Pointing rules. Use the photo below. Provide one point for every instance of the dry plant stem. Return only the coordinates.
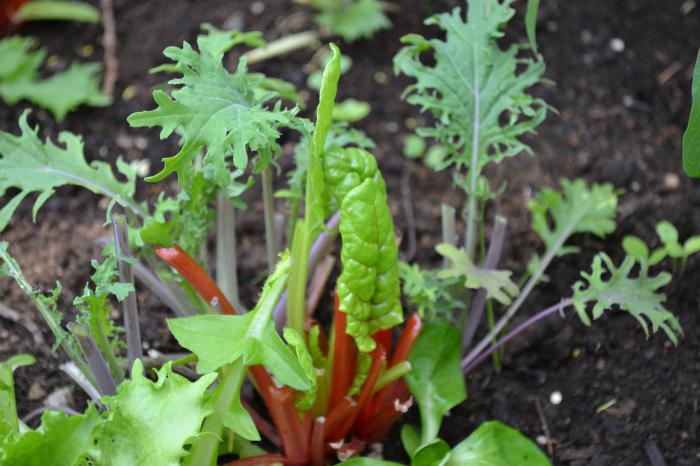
(545, 427)
(282, 46)
(407, 203)
(515, 306)
(226, 257)
(319, 249)
(95, 359)
(27, 323)
(77, 376)
(109, 43)
(466, 368)
(449, 227)
(131, 313)
(151, 281)
(269, 212)
(493, 255)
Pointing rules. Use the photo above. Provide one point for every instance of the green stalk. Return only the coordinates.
(206, 447)
(226, 260)
(296, 293)
(449, 228)
(269, 212)
(394, 373)
(282, 46)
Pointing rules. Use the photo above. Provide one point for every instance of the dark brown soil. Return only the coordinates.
(621, 116)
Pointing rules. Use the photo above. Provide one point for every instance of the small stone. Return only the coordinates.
(61, 397)
(627, 101)
(128, 93)
(103, 151)
(542, 440)
(141, 142)
(87, 50)
(672, 181)
(556, 398)
(380, 77)
(36, 392)
(617, 45)
(257, 8)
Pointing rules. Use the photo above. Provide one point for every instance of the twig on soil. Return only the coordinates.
(407, 204)
(653, 453)
(109, 43)
(283, 46)
(14, 316)
(76, 375)
(545, 427)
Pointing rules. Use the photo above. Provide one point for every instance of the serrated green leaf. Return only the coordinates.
(60, 439)
(475, 90)
(215, 111)
(352, 20)
(151, 422)
(296, 341)
(691, 136)
(607, 286)
(495, 444)
(436, 380)
(32, 166)
(579, 209)
(60, 94)
(497, 283)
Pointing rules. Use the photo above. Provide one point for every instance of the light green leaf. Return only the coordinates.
(214, 111)
(431, 454)
(475, 90)
(60, 439)
(436, 380)
(557, 216)
(222, 339)
(351, 110)
(531, 22)
(635, 247)
(495, 444)
(296, 341)
(32, 166)
(410, 438)
(9, 424)
(691, 137)
(414, 146)
(151, 422)
(52, 10)
(497, 283)
(351, 20)
(607, 286)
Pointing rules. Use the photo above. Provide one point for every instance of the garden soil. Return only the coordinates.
(621, 74)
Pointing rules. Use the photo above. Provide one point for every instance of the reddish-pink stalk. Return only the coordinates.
(318, 442)
(262, 460)
(295, 439)
(344, 356)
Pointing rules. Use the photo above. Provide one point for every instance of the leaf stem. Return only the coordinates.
(493, 255)
(131, 312)
(95, 359)
(151, 281)
(282, 46)
(269, 213)
(226, 257)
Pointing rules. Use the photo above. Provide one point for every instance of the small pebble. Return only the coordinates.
(556, 398)
(391, 126)
(36, 392)
(380, 77)
(257, 8)
(617, 45)
(103, 151)
(672, 181)
(128, 93)
(542, 439)
(87, 50)
(142, 167)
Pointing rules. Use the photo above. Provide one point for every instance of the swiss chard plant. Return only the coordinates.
(479, 97)
(327, 391)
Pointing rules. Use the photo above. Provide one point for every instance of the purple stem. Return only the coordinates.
(318, 250)
(131, 312)
(39, 411)
(468, 366)
(493, 255)
(95, 359)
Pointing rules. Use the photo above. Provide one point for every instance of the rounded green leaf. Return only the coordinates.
(635, 247)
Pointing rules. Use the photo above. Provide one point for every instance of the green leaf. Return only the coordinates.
(352, 20)
(214, 111)
(431, 454)
(32, 166)
(607, 286)
(368, 286)
(60, 94)
(495, 444)
(151, 422)
(668, 234)
(57, 10)
(414, 146)
(222, 339)
(9, 424)
(691, 137)
(497, 283)
(557, 216)
(296, 341)
(635, 247)
(60, 439)
(410, 438)
(531, 22)
(436, 380)
(475, 90)
(351, 110)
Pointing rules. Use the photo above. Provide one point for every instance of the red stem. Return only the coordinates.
(379, 425)
(190, 270)
(318, 444)
(262, 460)
(350, 449)
(378, 360)
(295, 439)
(344, 354)
(384, 338)
(339, 412)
